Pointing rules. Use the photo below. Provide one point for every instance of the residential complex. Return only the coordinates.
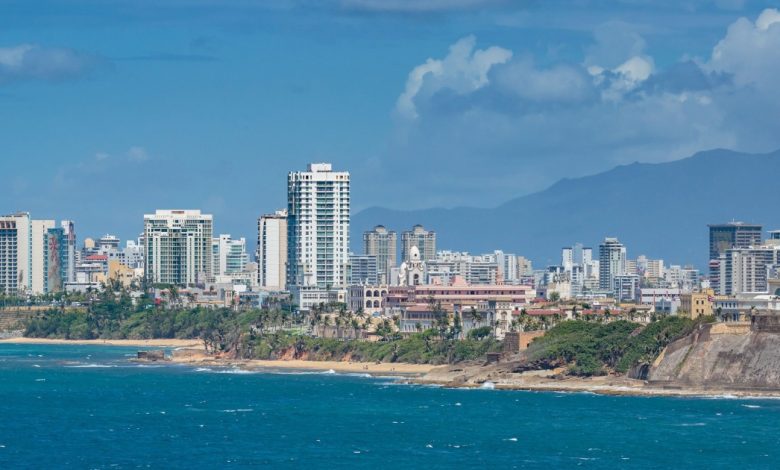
(318, 214)
(424, 240)
(178, 247)
(272, 251)
(383, 244)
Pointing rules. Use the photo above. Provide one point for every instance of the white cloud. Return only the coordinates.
(33, 62)
(462, 71)
(137, 154)
(538, 123)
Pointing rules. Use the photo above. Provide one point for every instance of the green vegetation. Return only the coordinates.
(588, 348)
(255, 333)
(419, 348)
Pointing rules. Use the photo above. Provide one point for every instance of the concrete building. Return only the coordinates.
(368, 298)
(363, 269)
(725, 237)
(424, 240)
(612, 262)
(178, 246)
(272, 251)
(697, 304)
(625, 287)
(383, 244)
(229, 255)
(23, 252)
(318, 215)
(745, 270)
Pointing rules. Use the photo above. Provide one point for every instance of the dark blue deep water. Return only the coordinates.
(88, 407)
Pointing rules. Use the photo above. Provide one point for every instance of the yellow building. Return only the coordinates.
(697, 304)
(119, 272)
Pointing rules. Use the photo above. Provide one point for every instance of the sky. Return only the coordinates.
(110, 109)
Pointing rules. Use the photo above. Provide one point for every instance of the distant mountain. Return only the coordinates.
(660, 210)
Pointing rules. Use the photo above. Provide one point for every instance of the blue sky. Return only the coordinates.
(110, 109)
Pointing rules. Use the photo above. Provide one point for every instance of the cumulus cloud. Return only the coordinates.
(33, 62)
(532, 120)
(462, 71)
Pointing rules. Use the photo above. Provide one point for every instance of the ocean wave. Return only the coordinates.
(751, 406)
(92, 366)
(488, 386)
(237, 410)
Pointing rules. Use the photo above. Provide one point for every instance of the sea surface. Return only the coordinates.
(90, 407)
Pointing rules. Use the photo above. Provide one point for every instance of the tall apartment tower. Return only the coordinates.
(178, 246)
(612, 262)
(383, 244)
(424, 240)
(317, 233)
(724, 237)
(23, 251)
(272, 251)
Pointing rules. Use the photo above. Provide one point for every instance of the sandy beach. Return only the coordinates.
(141, 343)
(402, 369)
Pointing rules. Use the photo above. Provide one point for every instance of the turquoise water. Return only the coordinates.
(88, 407)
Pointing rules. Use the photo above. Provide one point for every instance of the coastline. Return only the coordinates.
(550, 381)
(400, 369)
(143, 343)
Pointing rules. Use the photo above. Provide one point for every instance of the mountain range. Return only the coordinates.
(660, 210)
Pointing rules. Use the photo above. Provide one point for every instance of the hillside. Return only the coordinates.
(661, 210)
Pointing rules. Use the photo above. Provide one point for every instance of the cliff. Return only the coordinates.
(738, 356)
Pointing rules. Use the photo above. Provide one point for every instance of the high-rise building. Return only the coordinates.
(272, 251)
(363, 270)
(725, 237)
(229, 255)
(318, 214)
(23, 251)
(745, 270)
(14, 253)
(178, 246)
(383, 244)
(612, 262)
(69, 231)
(424, 240)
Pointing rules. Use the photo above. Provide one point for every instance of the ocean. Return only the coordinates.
(89, 407)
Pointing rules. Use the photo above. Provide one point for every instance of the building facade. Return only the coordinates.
(383, 244)
(612, 262)
(272, 251)
(363, 269)
(178, 247)
(229, 255)
(318, 215)
(424, 240)
(725, 237)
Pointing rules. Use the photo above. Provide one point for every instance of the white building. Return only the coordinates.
(229, 255)
(272, 251)
(23, 254)
(318, 214)
(178, 247)
(612, 262)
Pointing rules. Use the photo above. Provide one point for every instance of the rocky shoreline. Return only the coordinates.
(500, 377)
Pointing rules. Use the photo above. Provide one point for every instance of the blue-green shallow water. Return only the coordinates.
(58, 410)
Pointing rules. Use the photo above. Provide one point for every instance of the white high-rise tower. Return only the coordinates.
(318, 234)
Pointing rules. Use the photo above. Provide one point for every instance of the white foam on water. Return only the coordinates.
(40, 380)
(238, 410)
(488, 386)
(458, 404)
(36, 365)
(511, 439)
(751, 406)
(203, 369)
(92, 366)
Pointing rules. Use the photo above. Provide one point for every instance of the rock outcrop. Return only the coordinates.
(730, 356)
